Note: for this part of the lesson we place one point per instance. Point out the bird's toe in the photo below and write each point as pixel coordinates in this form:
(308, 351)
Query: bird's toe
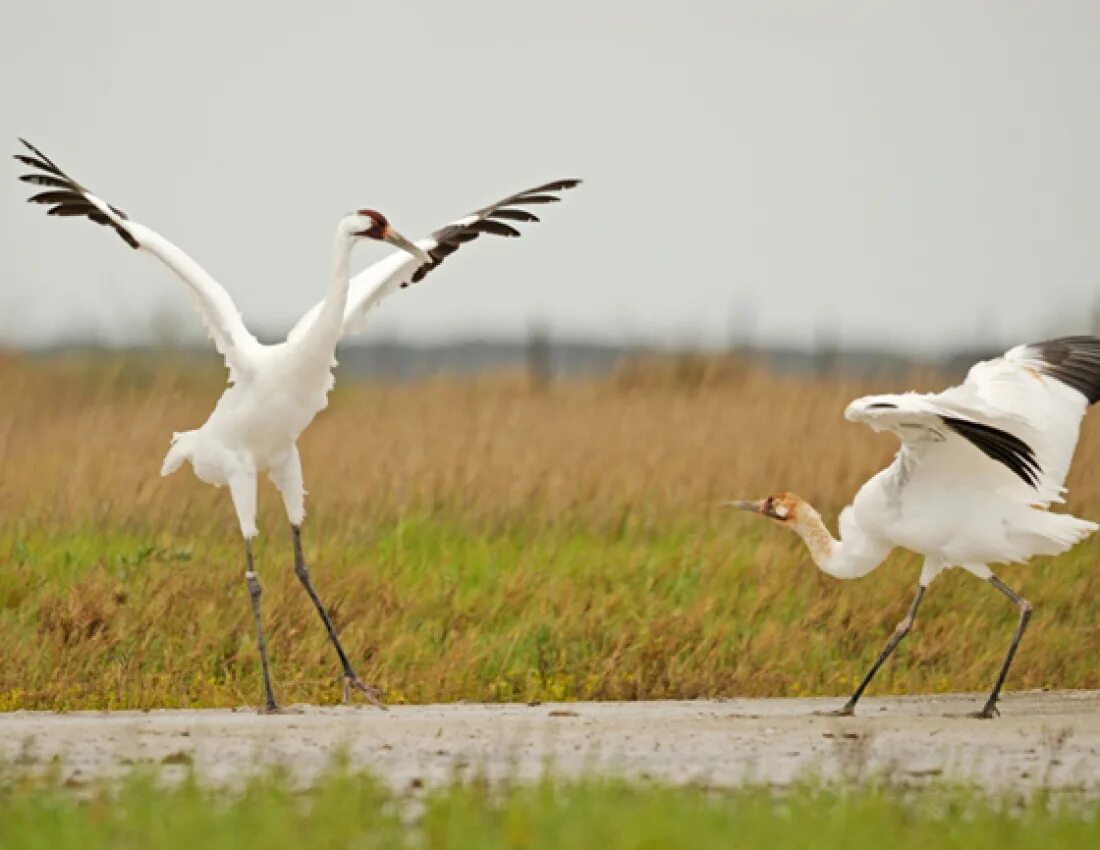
(372, 694)
(846, 711)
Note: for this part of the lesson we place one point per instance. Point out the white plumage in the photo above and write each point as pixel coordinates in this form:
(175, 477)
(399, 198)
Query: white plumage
(979, 466)
(276, 390)
(945, 497)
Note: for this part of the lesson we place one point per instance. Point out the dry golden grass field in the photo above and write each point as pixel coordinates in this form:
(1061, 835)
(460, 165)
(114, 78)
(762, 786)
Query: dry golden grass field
(486, 539)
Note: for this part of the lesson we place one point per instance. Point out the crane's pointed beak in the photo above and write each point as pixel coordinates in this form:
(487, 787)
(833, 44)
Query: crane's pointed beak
(744, 505)
(394, 238)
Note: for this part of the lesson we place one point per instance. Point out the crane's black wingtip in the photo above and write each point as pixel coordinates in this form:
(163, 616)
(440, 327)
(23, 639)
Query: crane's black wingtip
(493, 220)
(68, 196)
(1073, 360)
(37, 152)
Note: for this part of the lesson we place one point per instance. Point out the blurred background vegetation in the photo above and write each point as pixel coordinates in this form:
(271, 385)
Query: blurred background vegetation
(512, 534)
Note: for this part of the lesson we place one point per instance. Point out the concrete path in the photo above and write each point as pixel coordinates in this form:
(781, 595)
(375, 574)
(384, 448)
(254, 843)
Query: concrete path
(1042, 739)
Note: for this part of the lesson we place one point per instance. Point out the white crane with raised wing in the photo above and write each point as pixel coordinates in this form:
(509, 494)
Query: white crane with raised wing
(275, 391)
(979, 466)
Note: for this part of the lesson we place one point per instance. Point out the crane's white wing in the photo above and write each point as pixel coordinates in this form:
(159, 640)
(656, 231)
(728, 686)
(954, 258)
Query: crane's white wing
(1045, 388)
(401, 269)
(1022, 411)
(219, 313)
(940, 439)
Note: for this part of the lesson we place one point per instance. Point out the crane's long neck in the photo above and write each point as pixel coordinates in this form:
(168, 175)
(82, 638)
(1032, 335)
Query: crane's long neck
(823, 547)
(328, 326)
(852, 556)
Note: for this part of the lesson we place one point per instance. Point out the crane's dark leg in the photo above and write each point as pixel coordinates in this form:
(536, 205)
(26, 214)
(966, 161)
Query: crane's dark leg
(351, 680)
(254, 592)
(990, 709)
(899, 634)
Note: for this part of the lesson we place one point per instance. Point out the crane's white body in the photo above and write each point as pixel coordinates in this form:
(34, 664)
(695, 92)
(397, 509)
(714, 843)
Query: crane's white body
(274, 394)
(275, 390)
(948, 500)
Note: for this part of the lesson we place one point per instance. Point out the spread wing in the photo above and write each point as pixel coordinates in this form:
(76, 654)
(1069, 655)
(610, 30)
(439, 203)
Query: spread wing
(67, 197)
(400, 269)
(1013, 422)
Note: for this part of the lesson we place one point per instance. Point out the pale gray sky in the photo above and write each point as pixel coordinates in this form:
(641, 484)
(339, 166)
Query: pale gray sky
(925, 173)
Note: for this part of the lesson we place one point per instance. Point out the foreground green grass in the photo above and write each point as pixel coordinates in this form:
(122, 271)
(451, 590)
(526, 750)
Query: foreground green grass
(437, 609)
(346, 810)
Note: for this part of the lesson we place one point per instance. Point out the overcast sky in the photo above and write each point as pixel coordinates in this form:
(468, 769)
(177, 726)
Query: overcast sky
(921, 173)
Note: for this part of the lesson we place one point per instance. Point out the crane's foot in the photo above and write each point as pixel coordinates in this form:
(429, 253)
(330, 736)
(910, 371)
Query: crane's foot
(987, 713)
(372, 694)
(848, 710)
(280, 709)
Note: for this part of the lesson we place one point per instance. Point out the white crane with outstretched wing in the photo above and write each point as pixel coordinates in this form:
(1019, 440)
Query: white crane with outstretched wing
(276, 390)
(979, 466)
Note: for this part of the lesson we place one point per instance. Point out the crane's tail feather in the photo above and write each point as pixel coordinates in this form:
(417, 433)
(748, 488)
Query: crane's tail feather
(67, 197)
(1050, 534)
(181, 450)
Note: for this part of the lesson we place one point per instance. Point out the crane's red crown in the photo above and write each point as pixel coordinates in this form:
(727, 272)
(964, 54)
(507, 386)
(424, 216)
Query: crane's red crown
(379, 224)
